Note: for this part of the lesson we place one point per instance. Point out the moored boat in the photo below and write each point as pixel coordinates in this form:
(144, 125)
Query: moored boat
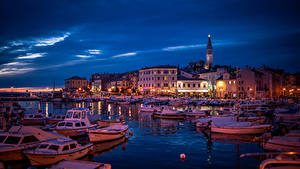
(78, 164)
(76, 123)
(283, 143)
(51, 152)
(107, 133)
(55, 119)
(20, 138)
(239, 128)
(149, 108)
(169, 114)
(36, 118)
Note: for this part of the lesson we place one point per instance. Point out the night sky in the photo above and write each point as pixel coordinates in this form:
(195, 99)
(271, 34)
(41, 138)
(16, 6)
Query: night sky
(42, 41)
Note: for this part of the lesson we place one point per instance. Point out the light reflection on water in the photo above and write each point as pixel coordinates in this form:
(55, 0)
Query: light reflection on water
(157, 143)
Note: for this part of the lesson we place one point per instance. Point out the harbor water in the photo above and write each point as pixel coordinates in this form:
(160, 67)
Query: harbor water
(158, 143)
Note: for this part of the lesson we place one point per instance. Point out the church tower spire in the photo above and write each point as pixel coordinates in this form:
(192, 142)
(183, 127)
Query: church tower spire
(209, 54)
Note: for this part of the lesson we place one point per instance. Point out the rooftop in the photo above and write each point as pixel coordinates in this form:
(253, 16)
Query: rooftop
(76, 78)
(185, 78)
(160, 67)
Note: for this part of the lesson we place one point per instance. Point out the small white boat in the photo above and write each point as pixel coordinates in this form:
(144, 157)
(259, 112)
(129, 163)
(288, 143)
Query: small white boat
(76, 123)
(79, 164)
(51, 152)
(36, 118)
(106, 123)
(283, 143)
(107, 133)
(239, 128)
(19, 138)
(281, 163)
(169, 114)
(55, 119)
(277, 160)
(149, 108)
(196, 113)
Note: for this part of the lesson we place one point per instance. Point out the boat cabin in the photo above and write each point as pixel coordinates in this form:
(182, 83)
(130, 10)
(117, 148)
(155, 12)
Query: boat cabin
(75, 118)
(61, 145)
(17, 139)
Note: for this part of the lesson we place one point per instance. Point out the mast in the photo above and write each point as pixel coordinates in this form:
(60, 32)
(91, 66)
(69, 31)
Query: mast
(237, 95)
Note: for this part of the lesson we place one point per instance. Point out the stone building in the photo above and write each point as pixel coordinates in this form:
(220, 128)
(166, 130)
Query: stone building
(158, 79)
(75, 83)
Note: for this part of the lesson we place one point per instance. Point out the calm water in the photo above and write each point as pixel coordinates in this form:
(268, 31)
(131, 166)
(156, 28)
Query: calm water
(158, 143)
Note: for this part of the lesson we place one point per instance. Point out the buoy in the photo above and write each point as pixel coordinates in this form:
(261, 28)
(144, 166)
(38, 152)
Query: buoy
(91, 153)
(182, 156)
(124, 147)
(130, 133)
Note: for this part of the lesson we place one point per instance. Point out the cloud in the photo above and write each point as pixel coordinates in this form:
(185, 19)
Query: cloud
(94, 51)
(3, 48)
(83, 56)
(51, 41)
(16, 43)
(13, 71)
(125, 54)
(182, 47)
(32, 56)
(16, 64)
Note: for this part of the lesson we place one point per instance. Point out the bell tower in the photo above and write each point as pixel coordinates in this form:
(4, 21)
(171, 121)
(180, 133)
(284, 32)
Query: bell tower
(209, 54)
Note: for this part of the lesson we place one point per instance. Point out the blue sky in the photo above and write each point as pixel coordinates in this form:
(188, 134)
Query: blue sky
(42, 41)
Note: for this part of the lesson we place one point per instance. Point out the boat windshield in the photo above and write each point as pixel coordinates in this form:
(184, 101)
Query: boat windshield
(69, 124)
(61, 124)
(43, 146)
(29, 139)
(77, 124)
(76, 115)
(69, 114)
(2, 138)
(73, 145)
(53, 147)
(12, 140)
(83, 115)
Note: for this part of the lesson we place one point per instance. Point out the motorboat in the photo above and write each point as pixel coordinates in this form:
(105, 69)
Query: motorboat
(36, 118)
(20, 138)
(106, 123)
(277, 160)
(169, 114)
(281, 163)
(283, 143)
(55, 119)
(239, 127)
(76, 123)
(78, 164)
(107, 133)
(149, 108)
(51, 152)
(196, 113)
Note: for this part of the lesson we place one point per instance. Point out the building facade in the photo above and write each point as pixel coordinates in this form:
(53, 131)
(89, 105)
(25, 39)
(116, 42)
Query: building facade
(158, 79)
(226, 86)
(75, 83)
(192, 86)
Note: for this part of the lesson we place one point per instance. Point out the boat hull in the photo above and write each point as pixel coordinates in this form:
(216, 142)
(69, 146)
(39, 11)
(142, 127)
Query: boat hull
(109, 123)
(240, 130)
(72, 132)
(47, 159)
(102, 137)
(33, 122)
(14, 155)
(168, 116)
